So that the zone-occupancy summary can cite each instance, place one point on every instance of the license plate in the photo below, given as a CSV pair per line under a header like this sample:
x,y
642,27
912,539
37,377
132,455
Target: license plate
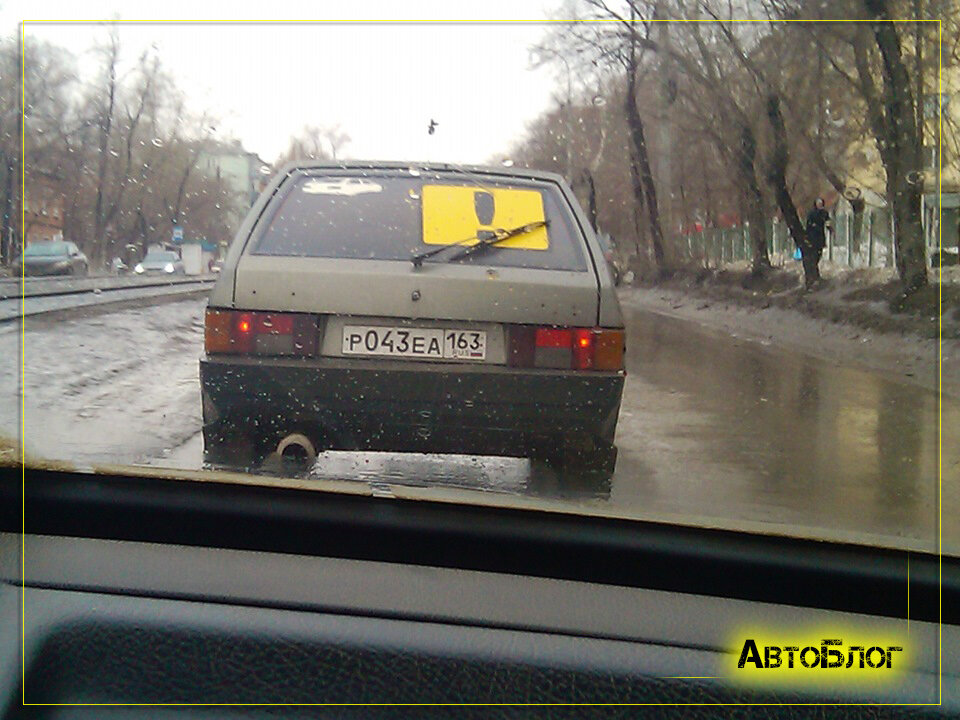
x,y
418,343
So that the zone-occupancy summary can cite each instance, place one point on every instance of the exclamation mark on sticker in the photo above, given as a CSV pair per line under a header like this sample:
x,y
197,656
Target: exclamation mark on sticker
x,y
483,206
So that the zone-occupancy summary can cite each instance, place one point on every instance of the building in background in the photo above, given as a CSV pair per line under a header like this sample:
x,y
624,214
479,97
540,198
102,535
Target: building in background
x,y
42,208
941,204
243,173
244,176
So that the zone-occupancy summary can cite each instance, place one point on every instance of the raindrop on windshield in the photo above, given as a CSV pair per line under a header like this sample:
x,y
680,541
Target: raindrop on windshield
x,y
413,171
157,142
599,100
507,162
265,170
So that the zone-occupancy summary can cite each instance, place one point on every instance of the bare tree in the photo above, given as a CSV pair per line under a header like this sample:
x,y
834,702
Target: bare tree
x,y
311,143
123,147
870,59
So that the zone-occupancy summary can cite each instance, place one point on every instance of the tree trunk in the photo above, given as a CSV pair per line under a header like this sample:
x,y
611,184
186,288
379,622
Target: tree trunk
x,y
11,164
902,159
591,197
641,161
911,255
105,125
858,205
753,205
777,175
6,251
638,210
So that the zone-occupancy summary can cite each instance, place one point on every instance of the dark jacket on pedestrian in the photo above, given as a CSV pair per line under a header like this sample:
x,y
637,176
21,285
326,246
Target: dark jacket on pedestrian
x,y
817,221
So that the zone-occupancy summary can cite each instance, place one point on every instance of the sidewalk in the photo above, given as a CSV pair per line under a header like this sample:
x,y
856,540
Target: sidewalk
x,y
848,321
864,298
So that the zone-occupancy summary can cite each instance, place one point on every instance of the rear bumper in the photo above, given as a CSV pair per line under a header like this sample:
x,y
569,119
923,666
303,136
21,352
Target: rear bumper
x,y
421,407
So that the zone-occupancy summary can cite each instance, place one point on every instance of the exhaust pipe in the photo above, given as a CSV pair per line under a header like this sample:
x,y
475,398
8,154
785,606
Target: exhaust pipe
x,y
296,448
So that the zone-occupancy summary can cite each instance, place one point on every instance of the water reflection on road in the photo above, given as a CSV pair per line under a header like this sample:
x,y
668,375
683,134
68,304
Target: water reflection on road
x,y
725,428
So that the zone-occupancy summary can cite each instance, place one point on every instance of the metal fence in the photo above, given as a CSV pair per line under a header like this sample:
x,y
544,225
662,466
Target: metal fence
x,y
874,248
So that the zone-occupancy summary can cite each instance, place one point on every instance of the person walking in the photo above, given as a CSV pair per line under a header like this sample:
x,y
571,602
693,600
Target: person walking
x,y
818,222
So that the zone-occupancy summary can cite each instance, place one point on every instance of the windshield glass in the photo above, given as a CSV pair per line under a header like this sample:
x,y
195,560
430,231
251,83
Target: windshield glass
x,y
161,257
46,249
737,305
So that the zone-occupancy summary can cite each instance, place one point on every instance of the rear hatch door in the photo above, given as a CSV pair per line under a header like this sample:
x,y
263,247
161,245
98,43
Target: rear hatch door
x,y
342,245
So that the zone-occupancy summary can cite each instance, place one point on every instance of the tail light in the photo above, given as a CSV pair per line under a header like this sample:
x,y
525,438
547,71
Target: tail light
x,y
258,333
565,348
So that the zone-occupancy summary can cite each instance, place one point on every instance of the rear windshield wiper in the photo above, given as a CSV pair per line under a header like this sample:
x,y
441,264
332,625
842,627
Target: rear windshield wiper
x,y
488,238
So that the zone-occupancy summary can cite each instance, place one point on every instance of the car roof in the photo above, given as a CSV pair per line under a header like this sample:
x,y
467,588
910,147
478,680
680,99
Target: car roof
x,y
522,173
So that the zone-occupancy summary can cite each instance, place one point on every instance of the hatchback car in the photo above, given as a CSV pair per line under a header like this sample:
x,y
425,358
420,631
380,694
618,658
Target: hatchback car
x,y
51,258
436,308
160,262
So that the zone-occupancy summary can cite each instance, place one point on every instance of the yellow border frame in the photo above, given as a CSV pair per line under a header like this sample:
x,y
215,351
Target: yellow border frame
x,y
23,24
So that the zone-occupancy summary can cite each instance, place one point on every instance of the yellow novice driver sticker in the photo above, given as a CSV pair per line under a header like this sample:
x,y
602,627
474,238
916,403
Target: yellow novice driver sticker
x,y
454,213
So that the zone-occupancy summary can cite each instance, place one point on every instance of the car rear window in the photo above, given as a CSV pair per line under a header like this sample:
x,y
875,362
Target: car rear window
x,y
46,249
382,217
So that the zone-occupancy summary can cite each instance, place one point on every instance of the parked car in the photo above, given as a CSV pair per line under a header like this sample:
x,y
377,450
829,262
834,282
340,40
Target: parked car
x,y
51,258
443,309
160,262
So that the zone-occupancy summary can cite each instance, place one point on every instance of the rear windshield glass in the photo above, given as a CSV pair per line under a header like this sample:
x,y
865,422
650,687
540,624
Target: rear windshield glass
x,y
391,217
46,249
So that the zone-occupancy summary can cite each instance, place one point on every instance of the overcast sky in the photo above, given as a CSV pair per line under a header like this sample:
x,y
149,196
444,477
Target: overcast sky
x,y
382,83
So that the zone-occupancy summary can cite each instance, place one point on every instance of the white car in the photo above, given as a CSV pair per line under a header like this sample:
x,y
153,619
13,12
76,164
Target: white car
x,y
160,262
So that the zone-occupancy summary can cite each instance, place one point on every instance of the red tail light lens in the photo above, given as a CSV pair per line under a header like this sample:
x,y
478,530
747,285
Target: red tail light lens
x,y
553,337
565,348
582,349
259,333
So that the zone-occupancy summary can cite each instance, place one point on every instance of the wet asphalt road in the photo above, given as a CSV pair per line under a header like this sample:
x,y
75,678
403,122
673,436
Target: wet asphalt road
x,y
713,430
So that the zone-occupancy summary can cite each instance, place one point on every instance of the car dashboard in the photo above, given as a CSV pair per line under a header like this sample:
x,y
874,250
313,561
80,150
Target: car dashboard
x,y
159,595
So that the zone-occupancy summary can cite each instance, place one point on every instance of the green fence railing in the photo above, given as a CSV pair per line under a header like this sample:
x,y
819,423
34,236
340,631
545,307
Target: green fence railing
x,y
873,248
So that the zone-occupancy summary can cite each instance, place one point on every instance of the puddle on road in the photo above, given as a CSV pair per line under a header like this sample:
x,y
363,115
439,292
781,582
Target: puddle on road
x,y
729,428
516,476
